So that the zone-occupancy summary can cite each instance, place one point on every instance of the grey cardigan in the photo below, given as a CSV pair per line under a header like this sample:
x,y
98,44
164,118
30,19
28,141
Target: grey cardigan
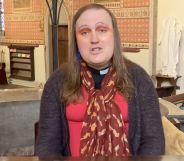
x,y
145,133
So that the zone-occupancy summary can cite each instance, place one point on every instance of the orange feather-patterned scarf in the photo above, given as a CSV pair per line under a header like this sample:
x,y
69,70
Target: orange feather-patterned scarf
x,y
103,129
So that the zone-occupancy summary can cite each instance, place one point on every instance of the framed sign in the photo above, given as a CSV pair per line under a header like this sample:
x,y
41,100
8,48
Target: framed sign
x,y
22,5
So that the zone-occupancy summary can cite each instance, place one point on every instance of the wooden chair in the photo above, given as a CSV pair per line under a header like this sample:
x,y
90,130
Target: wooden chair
x,y
172,122
179,98
36,128
176,118
3,79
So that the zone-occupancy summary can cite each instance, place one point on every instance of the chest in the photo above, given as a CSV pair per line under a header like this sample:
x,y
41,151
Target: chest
x,y
76,111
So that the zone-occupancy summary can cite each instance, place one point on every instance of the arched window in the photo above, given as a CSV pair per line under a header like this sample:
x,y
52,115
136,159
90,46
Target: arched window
x,y
2,28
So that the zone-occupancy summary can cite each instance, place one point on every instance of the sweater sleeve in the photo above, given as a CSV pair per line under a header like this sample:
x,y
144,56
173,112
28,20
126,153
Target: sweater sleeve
x,y
152,136
50,140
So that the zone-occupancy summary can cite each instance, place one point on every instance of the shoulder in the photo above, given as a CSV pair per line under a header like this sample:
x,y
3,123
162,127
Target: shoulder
x,y
55,81
137,74
57,77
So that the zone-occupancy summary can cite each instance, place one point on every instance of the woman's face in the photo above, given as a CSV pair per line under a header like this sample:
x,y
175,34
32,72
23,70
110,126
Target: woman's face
x,y
95,37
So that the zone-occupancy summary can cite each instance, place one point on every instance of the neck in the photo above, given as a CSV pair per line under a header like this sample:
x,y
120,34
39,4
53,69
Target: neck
x,y
99,67
103,71
98,76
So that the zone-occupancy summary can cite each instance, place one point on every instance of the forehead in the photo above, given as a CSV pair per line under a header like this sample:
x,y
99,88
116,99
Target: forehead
x,y
93,16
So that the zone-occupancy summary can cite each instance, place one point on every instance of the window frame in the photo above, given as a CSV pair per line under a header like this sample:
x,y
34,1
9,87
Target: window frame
x,y
2,23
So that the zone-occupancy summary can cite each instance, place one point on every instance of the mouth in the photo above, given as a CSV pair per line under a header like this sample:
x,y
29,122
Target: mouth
x,y
95,50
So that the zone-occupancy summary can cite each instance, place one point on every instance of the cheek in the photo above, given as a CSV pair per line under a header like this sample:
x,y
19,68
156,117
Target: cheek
x,y
78,38
82,47
109,41
81,42
108,34
110,45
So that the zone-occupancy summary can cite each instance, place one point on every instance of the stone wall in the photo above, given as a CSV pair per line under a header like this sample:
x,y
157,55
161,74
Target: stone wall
x,y
19,111
17,124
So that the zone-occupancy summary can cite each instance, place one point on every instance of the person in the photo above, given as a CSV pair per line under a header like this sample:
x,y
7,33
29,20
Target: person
x,y
99,103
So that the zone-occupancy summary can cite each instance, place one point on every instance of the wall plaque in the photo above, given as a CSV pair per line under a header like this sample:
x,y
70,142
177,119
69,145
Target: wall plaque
x,y
22,5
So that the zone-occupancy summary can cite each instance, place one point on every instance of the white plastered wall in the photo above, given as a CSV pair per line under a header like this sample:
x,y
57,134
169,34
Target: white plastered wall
x,y
169,8
5,57
141,58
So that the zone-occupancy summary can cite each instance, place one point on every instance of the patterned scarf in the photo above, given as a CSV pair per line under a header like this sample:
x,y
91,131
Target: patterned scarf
x,y
103,130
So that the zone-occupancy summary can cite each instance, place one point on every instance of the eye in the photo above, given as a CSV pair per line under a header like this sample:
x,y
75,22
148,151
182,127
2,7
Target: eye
x,y
84,33
102,30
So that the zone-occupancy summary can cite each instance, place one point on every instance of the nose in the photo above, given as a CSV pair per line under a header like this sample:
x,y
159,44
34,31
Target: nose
x,y
94,38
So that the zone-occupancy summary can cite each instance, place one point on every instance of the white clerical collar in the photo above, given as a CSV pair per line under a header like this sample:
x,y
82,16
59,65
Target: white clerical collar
x,y
104,71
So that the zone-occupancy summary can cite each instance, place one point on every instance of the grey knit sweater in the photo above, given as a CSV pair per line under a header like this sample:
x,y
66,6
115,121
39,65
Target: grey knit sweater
x,y
145,133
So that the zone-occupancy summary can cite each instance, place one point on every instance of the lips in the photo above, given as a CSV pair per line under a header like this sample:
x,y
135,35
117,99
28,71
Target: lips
x,y
95,50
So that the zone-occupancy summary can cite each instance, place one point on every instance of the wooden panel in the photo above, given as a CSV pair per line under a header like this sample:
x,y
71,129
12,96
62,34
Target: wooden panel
x,y
63,32
63,44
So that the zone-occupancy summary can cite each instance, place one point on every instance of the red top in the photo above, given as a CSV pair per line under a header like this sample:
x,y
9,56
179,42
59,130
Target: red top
x,y
75,113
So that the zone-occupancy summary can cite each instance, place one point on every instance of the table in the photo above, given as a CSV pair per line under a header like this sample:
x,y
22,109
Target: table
x,y
136,158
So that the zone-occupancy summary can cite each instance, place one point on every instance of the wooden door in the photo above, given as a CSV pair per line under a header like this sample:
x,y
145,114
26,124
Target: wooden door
x,y
63,43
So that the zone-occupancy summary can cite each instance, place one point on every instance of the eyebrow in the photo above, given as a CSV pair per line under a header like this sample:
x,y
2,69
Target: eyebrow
x,y
82,26
101,23
86,26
